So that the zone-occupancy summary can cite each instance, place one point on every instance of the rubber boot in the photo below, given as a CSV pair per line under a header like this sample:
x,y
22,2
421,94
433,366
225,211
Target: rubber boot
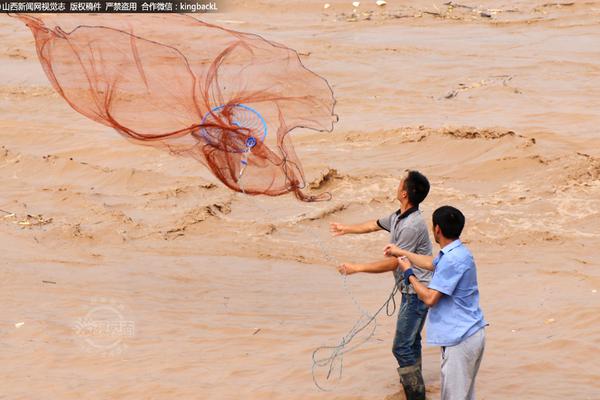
x,y
411,379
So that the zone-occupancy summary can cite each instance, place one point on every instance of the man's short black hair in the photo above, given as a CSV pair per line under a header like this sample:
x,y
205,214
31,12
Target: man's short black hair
x,y
417,187
450,220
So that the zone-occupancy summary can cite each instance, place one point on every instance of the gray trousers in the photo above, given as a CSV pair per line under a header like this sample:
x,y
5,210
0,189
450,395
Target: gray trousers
x,y
460,364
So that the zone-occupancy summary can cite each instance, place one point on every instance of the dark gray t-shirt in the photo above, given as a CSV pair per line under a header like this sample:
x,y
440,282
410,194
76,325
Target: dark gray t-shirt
x,y
409,232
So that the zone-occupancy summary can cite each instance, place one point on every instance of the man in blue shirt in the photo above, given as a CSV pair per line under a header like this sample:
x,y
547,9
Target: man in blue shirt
x,y
455,319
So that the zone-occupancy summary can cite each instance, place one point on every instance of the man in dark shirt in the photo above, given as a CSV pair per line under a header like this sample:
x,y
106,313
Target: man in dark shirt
x,y
408,231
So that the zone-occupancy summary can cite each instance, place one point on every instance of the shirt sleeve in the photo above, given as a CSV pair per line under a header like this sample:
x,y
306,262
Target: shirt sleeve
x,y
385,223
446,276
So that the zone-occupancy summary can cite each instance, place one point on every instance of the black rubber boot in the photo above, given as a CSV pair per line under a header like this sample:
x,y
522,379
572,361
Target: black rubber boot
x,y
411,379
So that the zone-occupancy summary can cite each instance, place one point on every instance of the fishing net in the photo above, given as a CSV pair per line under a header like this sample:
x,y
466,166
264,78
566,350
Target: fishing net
x,y
228,99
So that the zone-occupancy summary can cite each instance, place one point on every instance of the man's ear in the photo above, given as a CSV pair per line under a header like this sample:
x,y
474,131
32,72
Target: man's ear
x,y
404,193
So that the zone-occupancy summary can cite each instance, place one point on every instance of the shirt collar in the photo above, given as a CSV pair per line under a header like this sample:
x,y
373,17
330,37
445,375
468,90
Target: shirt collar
x,y
402,215
451,246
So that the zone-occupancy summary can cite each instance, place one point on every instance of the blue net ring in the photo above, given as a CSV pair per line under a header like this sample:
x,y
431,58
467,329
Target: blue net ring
x,y
251,142
242,116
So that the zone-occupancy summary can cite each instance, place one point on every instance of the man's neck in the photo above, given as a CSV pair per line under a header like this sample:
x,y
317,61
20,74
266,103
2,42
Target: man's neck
x,y
404,207
445,242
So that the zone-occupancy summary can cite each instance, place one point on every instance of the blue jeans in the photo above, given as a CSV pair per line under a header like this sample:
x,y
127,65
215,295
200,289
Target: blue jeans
x,y
407,342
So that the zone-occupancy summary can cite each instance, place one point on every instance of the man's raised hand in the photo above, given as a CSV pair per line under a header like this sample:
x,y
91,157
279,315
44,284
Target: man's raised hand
x,y
337,229
391,250
404,263
347,269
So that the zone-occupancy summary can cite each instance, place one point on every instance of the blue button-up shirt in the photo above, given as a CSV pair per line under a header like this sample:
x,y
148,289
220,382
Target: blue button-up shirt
x,y
457,315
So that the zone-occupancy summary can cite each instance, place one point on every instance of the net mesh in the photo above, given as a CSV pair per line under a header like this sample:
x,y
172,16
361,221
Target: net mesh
x,y
196,89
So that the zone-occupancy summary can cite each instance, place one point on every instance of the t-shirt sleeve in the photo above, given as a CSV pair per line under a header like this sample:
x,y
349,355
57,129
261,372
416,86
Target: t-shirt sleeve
x,y
385,223
446,276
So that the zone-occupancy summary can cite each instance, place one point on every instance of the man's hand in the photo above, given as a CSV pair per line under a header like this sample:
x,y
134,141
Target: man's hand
x,y
348,269
337,229
403,263
391,250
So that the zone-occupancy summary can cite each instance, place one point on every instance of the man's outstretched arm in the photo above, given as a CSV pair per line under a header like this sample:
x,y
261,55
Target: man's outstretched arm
x,y
341,229
420,260
428,296
377,267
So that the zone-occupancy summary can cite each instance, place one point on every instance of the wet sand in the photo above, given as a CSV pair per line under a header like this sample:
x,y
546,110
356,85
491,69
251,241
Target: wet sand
x,y
225,296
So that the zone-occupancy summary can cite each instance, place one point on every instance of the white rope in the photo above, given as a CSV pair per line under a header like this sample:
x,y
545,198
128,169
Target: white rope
x,y
337,352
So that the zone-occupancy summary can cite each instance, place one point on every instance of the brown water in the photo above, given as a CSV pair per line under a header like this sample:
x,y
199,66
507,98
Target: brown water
x,y
227,296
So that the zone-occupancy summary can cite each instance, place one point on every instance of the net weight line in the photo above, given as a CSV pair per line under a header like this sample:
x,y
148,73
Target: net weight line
x,y
363,322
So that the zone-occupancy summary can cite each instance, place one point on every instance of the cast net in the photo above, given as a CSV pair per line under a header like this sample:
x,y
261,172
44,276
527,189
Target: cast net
x,y
226,98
